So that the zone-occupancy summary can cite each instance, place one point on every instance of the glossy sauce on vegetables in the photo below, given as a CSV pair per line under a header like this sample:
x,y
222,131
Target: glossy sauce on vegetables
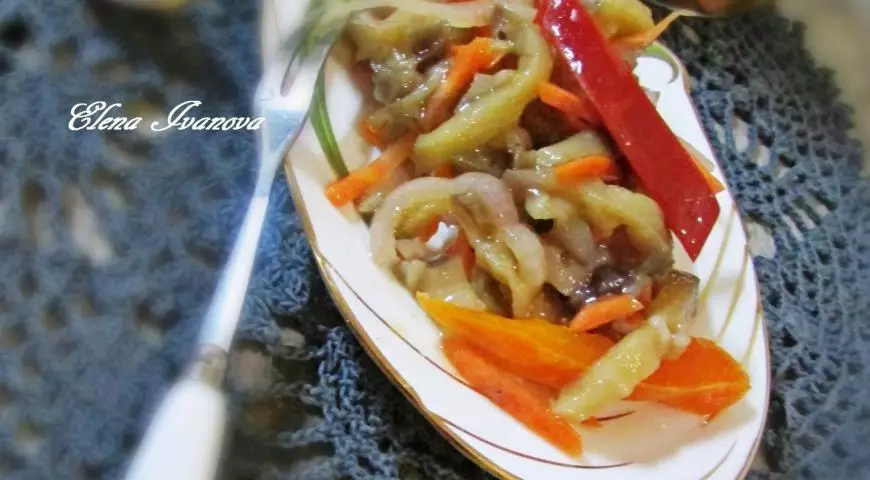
x,y
517,201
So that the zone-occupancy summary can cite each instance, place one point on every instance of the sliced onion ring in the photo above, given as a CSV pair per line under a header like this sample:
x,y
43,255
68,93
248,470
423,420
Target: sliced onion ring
x,y
490,191
529,253
386,219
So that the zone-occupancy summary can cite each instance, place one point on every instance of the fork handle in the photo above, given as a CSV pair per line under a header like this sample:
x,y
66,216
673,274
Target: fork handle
x,y
186,434
185,437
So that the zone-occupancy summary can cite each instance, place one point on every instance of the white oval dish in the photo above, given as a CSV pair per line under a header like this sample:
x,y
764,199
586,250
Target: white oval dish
x,y
405,343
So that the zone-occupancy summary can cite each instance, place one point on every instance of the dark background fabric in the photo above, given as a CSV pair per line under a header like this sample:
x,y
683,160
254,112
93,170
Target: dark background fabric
x,y
89,338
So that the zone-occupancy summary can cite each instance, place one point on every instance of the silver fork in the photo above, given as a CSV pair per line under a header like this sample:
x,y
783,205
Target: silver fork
x,y
185,436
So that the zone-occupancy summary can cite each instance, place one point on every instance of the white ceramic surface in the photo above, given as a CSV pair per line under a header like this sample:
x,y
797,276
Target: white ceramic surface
x,y
405,343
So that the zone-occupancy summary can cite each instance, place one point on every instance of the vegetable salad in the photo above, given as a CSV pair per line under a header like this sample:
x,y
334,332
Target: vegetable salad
x,y
526,191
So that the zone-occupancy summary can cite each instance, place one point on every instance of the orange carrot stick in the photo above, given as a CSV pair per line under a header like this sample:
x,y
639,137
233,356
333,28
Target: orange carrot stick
x,y
567,102
585,168
467,61
525,402
370,134
351,187
605,311
704,380
645,39
533,349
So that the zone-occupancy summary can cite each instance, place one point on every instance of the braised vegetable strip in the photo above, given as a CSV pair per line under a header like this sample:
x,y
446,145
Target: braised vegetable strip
x,y
664,167
467,61
524,195
482,121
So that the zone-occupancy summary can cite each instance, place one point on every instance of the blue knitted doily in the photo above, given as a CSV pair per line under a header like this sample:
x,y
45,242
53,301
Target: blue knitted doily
x,y
111,244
